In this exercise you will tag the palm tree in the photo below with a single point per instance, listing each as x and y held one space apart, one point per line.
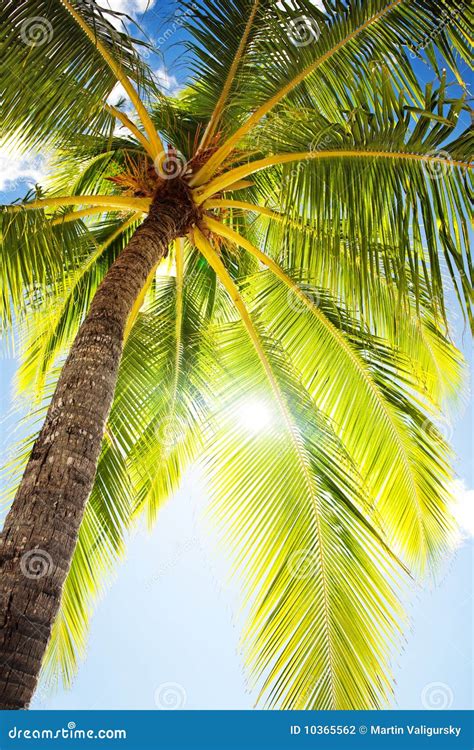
279 237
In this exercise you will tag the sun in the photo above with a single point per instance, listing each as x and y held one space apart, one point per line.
255 415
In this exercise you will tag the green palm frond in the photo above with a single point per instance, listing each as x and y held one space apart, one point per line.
327 266
222 34
393 188
155 431
304 481
87 164
49 331
348 374
36 257
309 300
179 122
351 36
41 247
330 354
314 572
169 430
56 79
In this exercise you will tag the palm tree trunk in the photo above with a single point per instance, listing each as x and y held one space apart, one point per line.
41 529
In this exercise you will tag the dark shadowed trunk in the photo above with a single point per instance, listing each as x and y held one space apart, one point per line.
41 529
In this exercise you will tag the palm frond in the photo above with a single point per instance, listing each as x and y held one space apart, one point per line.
49 330
232 59
414 517
313 569
436 364
35 256
56 75
156 428
350 37
397 190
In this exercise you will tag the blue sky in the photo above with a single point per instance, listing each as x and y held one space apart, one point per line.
167 632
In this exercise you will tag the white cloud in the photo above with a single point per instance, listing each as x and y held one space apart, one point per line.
317 3
166 81
463 508
18 167
117 94
130 7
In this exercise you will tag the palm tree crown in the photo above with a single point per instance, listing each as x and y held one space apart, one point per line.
331 197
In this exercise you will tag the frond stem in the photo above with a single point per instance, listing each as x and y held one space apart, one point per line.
215 117
217 265
130 125
245 206
208 169
157 145
104 201
228 178
75 215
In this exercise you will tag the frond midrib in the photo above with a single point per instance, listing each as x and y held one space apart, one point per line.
255 338
336 334
207 170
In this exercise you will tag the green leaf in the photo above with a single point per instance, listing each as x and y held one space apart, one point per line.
55 79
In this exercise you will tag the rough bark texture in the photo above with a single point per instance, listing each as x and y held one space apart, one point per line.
41 529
